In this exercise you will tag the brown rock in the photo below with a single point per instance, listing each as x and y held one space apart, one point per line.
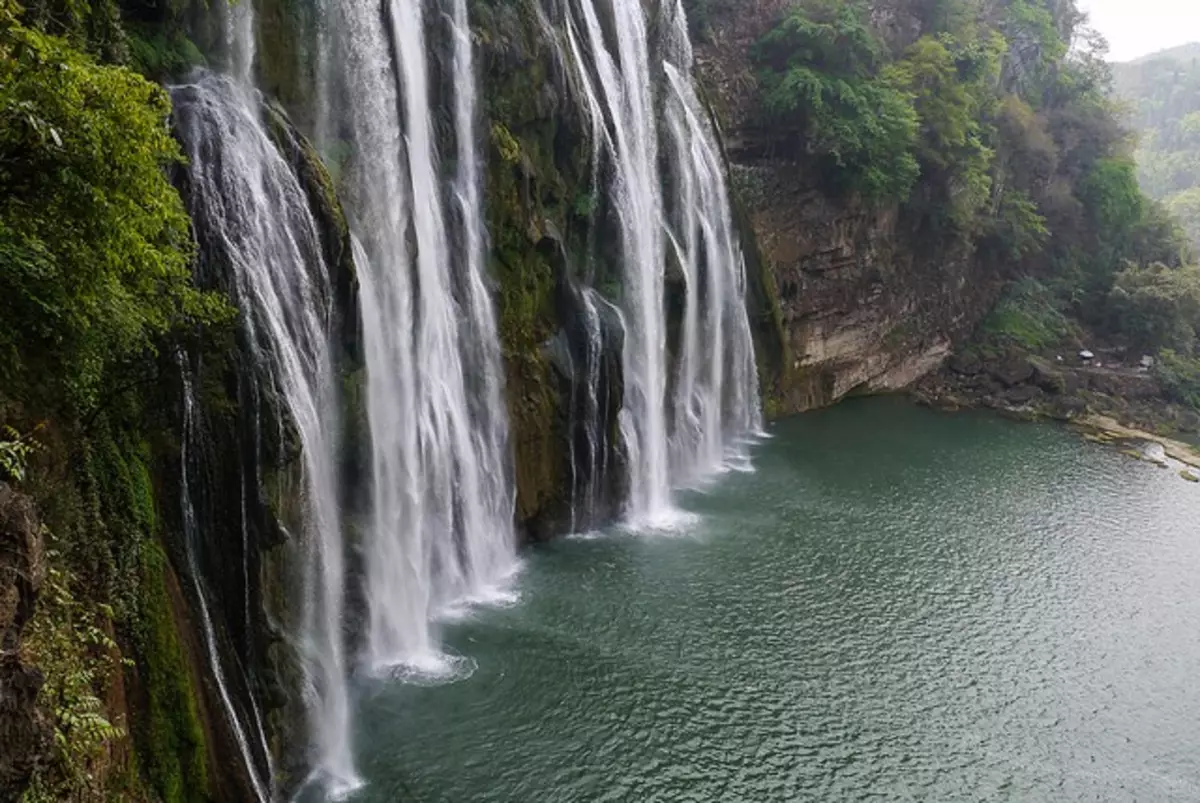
1012 370
24 732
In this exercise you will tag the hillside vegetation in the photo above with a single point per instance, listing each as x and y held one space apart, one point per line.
1162 92
993 123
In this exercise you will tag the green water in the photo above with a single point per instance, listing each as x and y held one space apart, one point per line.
898 605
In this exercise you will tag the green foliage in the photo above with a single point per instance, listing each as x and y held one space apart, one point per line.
822 73
1115 207
15 450
70 642
94 241
1185 207
155 51
169 735
952 84
1180 375
507 145
1017 226
1035 43
1157 306
1028 318
88 25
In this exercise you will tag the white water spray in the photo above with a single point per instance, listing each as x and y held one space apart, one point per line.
253 215
442 500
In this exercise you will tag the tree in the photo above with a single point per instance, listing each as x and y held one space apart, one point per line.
95 246
823 76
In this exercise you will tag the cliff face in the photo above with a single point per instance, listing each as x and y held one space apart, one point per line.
868 301
24 729
865 306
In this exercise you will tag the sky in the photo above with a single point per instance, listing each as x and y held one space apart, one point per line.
1136 28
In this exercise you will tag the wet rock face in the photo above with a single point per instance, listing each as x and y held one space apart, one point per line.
24 731
866 305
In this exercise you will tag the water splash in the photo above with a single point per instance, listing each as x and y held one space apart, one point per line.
442 488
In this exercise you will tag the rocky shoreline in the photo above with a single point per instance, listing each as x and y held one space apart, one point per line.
1119 406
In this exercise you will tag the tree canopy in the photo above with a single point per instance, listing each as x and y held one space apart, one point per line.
993 123
1163 95
95 245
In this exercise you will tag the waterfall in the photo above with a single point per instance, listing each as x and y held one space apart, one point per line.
626 96
679 431
715 398
192 543
440 532
252 215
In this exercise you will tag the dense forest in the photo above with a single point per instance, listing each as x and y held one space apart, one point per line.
988 123
1163 93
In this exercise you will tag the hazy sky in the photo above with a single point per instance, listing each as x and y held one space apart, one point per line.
1137 27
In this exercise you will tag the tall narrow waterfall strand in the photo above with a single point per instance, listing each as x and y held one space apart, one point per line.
191 542
491 541
714 403
442 498
252 212
715 399
625 85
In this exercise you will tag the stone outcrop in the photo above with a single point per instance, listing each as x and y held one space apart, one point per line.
1034 386
25 734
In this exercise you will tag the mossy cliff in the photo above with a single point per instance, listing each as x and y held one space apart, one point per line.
541 205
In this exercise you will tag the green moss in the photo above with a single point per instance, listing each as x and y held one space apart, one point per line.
506 145
1027 318
159 53
170 738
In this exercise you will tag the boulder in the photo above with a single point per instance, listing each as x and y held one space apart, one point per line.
1012 370
1068 407
966 364
1048 379
1021 395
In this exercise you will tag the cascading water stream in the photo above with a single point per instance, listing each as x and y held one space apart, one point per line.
622 75
252 215
191 541
715 399
713 402
442 491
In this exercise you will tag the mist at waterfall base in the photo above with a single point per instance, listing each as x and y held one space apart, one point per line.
897 605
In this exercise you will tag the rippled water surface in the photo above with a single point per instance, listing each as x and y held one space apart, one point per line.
899 605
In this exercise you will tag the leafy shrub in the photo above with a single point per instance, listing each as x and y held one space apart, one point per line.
1180 375
823 73
1157 307
70 642
15 450
94 241
1027 317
